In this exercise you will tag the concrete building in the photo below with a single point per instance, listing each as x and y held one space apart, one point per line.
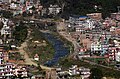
36 57
117 56
6 29
51 74
8 1
84 72
20 70
81 23
1 57
54 9
86 43
75 19
115 16
5 67
96 16
96 47
6 70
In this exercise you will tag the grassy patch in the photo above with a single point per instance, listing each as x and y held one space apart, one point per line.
66 63
43 48
16 56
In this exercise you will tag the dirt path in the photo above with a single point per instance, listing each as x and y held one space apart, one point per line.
28 60
26 57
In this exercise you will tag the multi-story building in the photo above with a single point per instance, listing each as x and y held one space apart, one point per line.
115 16
6 30
54 9
75 19
20 71
96 16
117 56
96 47
8 1
82 23
1 57
5 68
51 74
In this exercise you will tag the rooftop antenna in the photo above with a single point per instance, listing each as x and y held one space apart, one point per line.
118 9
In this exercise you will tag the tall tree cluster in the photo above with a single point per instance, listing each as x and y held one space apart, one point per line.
81 7
20 33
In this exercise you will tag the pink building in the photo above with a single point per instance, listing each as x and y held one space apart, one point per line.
115 16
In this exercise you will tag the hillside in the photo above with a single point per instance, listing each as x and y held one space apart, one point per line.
82 7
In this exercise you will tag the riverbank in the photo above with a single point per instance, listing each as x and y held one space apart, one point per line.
38 45
48 45
68 61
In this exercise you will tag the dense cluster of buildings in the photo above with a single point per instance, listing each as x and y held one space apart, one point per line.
18 7
29 7
96 36
8 69
6 30
74 70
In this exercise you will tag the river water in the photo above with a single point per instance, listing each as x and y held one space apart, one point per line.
60 49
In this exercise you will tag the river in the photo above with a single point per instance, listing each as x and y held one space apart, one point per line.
60 49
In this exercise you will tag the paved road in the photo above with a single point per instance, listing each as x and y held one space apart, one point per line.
65 34
62 26
26 57
93 63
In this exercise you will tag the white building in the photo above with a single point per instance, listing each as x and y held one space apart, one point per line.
21 71
36 57
6 29
117 56
54 9
96 46
13 6
82 22
8 1
9 69
85 72
1 57
6 70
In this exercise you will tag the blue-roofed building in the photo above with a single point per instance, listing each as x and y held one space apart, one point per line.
83 17
81 22
76 18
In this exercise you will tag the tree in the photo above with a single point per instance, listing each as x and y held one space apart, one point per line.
39 67
62 4
24 14
96 73
82 7
6 14
20 33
